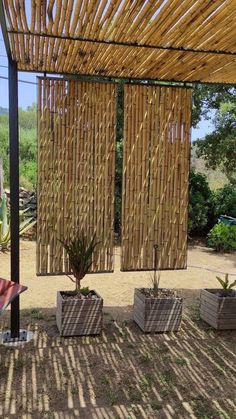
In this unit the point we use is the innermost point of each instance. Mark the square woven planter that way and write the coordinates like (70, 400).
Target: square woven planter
(157, 314)
(79, 317)
(219, 312)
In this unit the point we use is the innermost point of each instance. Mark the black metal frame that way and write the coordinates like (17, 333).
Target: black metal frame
(14, 174)
(133, 80)
(113, 79)
(14, 189)
(123, 44)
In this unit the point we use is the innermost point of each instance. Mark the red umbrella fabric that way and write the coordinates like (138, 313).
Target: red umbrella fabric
(9, 290)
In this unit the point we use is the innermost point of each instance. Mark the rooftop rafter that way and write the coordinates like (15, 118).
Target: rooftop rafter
(125, 44)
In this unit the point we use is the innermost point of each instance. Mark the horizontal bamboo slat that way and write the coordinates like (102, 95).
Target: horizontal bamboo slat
(155, 176)
(76, 170)
(187, 25)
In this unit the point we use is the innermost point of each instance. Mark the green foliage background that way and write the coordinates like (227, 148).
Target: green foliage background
(219, 148)
(28, 146)
(201, 211)
(222, 238)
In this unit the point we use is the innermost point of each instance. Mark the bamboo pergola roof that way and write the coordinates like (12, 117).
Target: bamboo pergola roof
(182, 40)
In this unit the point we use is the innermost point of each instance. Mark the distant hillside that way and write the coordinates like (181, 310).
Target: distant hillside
(3, 111)
(216, 178)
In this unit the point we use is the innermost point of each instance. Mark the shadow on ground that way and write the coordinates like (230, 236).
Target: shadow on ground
(122, 373)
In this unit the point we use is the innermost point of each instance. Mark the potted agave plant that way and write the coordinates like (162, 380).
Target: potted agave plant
(157, 309)
(218, 306)
(79, 312)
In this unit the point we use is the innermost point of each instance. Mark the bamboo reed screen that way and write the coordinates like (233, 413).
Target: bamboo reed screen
(76, 169)
(188, 40)
(155, 176)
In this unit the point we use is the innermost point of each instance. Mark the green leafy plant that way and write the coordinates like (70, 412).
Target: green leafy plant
(4, 228)
(222, 237)
(218, 147)
(80, 253)
(226, 285)
(225, 201)
(85, 290)
(5, 238)
(26, 223)
(200, 204)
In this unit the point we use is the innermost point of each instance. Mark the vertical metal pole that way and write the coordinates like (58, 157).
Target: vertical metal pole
(14, 191)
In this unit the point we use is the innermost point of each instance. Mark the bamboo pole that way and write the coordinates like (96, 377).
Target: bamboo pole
(154, 200)
(77, 129)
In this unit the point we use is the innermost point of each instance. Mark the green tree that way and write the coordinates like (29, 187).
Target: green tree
(225, 201)
(219, 148)
(208, 98)
(200, 204)
(28, 117)
(27, 146)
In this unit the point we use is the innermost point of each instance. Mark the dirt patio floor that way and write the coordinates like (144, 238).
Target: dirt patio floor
(117, 288)
(121, 374)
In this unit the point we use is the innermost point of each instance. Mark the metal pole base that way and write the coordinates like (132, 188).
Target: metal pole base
(24, 337)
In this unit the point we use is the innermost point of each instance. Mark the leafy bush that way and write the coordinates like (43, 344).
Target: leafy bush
(222, 237)
(226, 285)
(225, 201)
(27, 146)
(28, 174)
(200, 204)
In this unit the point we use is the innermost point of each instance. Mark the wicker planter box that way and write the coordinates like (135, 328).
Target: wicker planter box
(218, 311)
(157, 314)
(79, 317)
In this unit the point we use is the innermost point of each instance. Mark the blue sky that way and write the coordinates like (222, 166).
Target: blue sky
(28, 92)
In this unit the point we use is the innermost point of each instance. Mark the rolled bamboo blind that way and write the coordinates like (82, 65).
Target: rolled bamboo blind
(76, 170)
(155, 176)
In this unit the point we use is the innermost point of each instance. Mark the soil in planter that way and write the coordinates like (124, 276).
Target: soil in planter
(71, 295)
(230, 294)
(163, 293)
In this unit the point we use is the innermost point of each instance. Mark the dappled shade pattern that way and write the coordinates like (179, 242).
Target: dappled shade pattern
(122, 373)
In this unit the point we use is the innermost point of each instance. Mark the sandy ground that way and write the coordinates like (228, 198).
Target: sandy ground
(117, 288)
(122, 373)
